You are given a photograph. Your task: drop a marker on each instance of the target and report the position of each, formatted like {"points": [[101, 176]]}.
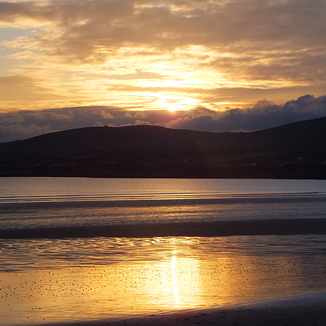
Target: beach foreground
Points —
{"points": [[301, 310]]}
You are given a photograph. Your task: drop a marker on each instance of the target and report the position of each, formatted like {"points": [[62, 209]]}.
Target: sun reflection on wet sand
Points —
{"points": [[174, 283], [96, 292], [170, 274]]}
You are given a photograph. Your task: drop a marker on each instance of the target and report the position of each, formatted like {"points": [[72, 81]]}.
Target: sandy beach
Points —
{"points": [[299, 310], [162, 252]]}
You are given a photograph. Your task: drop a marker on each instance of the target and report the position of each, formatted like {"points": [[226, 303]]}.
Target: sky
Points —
{"points": [[215, 65]]}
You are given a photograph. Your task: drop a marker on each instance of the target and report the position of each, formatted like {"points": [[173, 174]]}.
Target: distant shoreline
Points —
{"points": [[301, 174]]}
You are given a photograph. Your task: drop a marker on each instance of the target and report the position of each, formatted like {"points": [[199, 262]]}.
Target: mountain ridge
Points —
{"points": [[155, 151]]}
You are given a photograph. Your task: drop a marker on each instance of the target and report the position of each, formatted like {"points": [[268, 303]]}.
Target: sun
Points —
{"points": [[174, 102]]}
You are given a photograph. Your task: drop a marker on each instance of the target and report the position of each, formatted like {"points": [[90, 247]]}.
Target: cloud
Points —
{"points": [[150, 53], [139, 74], [92, 29], [20, 131], [299, 65], [265, 114], [19, 88]]}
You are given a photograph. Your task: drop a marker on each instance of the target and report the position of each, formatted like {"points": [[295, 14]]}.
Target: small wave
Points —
{"points": [[205, 228], [57, 202]]}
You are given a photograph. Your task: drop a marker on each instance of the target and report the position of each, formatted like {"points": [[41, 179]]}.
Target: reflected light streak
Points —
{"points": [[175, 279], [168, 274], [172, 284]]}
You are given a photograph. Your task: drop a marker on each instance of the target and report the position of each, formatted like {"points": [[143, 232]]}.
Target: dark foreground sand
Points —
{"points": [[303, 310]]}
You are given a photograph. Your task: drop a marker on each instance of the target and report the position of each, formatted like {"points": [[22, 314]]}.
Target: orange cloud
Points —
{"points": [[91, 52]]}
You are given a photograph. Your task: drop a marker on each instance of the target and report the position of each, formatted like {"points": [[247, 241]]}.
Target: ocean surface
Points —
{"points": [[82, 249]]}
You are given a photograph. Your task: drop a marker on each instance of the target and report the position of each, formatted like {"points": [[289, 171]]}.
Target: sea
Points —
{"points": [[83, 249]]}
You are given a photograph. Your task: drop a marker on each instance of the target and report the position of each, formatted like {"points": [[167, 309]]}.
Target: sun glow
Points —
{"points": [[174, 102]]}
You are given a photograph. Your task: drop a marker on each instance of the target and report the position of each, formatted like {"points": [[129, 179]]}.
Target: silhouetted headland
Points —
{"points": [[296, 150]]}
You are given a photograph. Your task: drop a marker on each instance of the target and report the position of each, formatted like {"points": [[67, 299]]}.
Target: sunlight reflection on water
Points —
{"points": [[164, 274]]}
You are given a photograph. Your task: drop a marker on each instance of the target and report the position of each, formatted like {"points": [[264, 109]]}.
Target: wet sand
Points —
{"points": [[301, 310]]}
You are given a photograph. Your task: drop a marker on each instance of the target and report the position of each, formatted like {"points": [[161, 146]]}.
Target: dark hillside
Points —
{"points": [[104, 138], [300, 135], [296, 150]]}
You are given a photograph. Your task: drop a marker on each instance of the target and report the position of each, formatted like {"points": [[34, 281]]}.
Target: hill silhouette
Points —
{"points": [[296, 150]]}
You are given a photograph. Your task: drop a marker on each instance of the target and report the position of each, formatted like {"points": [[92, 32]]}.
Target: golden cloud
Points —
{"points": [[89, 47]]}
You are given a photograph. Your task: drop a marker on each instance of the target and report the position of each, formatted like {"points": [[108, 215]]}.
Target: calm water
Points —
{"points": [[61, 278]]}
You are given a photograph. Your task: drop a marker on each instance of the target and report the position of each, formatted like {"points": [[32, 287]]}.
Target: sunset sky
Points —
{"points": [[215, 65]]}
